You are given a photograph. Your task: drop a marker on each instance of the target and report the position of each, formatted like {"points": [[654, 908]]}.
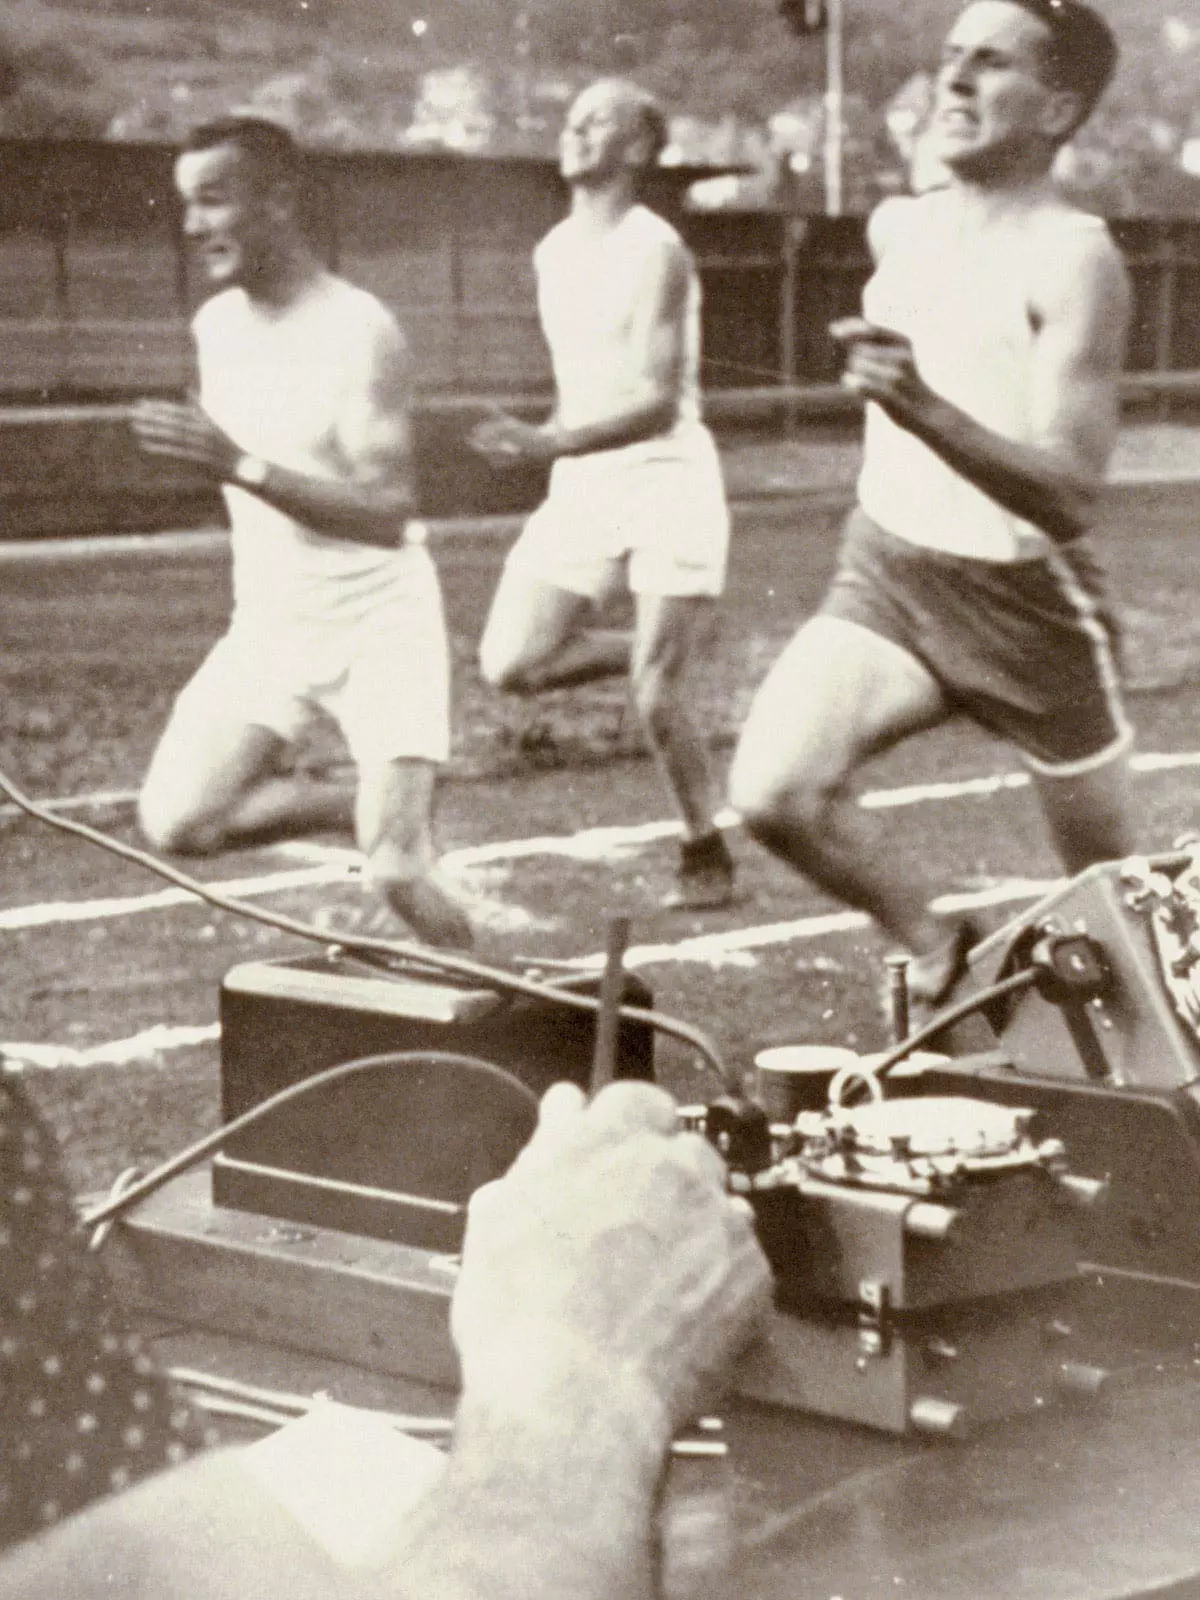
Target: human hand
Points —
{"points": [[880, 366], [184, 433], [608, 1260], [506, 440]]}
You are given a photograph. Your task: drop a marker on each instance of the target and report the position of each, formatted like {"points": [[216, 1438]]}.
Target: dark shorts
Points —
{"points": [[1026, 649]]}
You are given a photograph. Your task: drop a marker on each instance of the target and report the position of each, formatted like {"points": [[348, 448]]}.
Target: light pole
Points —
{"points": [[524, 54], [835, 106], [806, 17]]}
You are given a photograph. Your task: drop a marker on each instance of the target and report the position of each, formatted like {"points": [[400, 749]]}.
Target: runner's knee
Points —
{"points": [[654, 689], [773, 806], [504, 668], [400, 860], [175, 831]]}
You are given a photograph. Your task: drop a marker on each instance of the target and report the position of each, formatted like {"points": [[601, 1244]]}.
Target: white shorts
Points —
{"points": [[382, 674], [652, 514]]}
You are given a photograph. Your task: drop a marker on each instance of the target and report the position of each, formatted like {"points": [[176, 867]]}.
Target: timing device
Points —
{"points": [[944, 1254]]}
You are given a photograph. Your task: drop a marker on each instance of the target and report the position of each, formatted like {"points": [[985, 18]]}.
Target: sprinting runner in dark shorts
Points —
{"points": [[989, 353]]}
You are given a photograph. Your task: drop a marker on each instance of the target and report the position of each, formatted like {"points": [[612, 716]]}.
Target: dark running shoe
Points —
{"points": [[933, 978], [705, 880]]}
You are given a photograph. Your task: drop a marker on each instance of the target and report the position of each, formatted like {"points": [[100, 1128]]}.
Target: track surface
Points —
{"points": [[114, 986]]}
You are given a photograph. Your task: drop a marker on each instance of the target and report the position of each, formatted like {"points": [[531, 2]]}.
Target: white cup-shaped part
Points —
{"points": [[795, 1077]]}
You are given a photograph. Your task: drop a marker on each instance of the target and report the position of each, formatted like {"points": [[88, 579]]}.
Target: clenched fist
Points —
{"points": [[610, 1258]]}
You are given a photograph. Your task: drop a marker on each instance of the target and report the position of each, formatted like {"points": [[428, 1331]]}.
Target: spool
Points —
{"points": [[792, 1078]]}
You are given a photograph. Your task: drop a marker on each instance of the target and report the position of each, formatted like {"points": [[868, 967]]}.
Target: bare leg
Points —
{"points": [[1089, 814], [837, 695], [394, 822], [533, 641], [664, 636], [212, 783]]}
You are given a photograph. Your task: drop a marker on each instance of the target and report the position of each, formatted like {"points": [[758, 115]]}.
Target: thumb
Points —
{"points": [[559, 1111]]}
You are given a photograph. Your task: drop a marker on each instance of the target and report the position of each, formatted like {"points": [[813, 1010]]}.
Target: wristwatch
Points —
{"points": [[250, 472]]}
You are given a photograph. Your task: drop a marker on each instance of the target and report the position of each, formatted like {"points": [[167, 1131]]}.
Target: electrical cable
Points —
{"points": [[295, 1405], [952, 1014], [276, 1408], [390, 951], [129, 1194]]}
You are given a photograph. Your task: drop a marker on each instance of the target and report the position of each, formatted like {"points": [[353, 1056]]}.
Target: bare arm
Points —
{"points": [[1054, 478], [607, 1282], [371, 498], [656, 353]]}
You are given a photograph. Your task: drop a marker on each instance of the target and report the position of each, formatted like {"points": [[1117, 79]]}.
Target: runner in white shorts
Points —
{"points": [[636, 497], [990, 351], [303, 418]]}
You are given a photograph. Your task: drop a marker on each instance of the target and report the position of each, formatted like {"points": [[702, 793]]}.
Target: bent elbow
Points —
{"points": [[660, 415], [1077, 508]]}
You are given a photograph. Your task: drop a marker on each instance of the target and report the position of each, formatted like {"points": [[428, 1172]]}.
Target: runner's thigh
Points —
{"points": [[529, 621], [215, 745], [838, 694]]}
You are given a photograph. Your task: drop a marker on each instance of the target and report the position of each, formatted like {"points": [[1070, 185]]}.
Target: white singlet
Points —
{"points": [[658, 504], [588, 292], [317, 621], [963, 300]]}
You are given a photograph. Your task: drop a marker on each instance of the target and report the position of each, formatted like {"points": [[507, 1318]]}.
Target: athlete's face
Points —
{"points": [[228, 218], [602, 135], [994, 106]]}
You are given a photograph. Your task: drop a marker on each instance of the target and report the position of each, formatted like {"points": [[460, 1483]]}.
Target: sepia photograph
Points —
{"points": [[600, 868]]}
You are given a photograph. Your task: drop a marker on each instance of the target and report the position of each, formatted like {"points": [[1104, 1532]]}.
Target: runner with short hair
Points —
{"points": [[636, 497], [989, 354], [303, 418]]}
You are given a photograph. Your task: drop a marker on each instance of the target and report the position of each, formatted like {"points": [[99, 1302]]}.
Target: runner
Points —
{"points": [[990, 350], [636, 496], [303, 418]]}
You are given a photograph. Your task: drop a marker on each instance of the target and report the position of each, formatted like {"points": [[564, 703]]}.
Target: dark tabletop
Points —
{"points": [[1076, 1503]]}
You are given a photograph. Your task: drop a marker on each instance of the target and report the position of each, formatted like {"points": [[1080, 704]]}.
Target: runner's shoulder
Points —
{"points": [[222, 311], [899, 215], [360, 308], [367, 333], [1075, 250]]}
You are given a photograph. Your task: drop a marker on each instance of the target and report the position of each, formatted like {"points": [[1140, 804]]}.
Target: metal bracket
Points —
{"points": [[874, 1320]]}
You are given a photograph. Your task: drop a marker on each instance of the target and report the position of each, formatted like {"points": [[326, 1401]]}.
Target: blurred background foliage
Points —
{"points": [[493, 76]]}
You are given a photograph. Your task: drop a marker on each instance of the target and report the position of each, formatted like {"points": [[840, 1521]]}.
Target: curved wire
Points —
{"points": [[952, 1014], [414, 955], [129, 1194]]}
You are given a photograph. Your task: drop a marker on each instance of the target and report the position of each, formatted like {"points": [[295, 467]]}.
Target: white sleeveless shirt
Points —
{"points": [[963, 300], [589, 290], [278, 384]]}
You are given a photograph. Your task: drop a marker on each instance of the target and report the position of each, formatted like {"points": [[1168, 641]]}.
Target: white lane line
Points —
{"points": [[99, 801], [63, 911], [144, 1046], [334, 863], [730, 948], [997, 783], [713, 950], [962, 789], [872, 799]]}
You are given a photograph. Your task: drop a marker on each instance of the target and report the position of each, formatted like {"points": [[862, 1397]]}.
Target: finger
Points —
{"points": [[559, 1113], [625, 1108], [702, 1158], [847, 329], [857, 330], [167, 437], [872, 372], [560, 1109]]}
